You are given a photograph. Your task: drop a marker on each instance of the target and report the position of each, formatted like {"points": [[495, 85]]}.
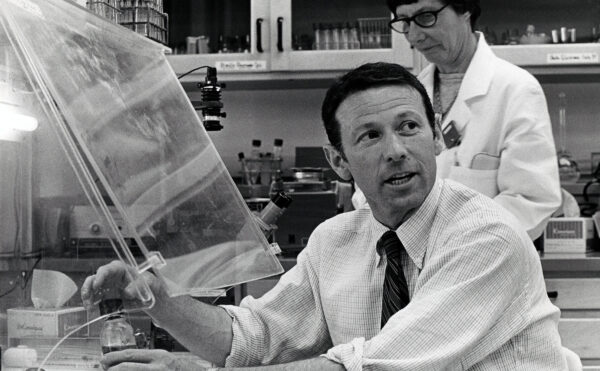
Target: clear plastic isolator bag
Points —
{"points": [[137, 147]]}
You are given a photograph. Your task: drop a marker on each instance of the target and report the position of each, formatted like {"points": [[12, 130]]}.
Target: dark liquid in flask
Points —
{"points": [[115, 348]]}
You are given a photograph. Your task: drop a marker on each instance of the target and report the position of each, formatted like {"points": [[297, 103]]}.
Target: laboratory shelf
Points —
{"points": [[554, 58], [574, 265]]}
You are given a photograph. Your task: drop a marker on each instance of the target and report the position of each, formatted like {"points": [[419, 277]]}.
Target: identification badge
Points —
{"points": [[451, 135]]}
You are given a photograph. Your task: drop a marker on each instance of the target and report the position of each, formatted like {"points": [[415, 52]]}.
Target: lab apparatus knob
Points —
{"points": [[95, 228]]}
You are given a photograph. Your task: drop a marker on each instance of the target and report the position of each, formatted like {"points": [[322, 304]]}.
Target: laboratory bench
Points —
{"points": [[573, 284]]}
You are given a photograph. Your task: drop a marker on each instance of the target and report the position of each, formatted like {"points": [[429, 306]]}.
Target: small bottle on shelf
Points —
{"points": [[344, 36], [318, 34], [277, 147], [254, 163], [255, 152], [335, 36], [327, 37], [354, 41]]}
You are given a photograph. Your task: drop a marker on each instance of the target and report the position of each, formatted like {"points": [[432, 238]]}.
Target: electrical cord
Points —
{"points": [[589, 208], [191, 71], [26, 277]]}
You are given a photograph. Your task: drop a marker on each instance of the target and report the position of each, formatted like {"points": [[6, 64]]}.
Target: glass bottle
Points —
{"points": [[255, 151], [318, 33], [327, 37], [335, 36], [116, 333], [567, 168], [353, 39], [344, 36], [277, 147]]}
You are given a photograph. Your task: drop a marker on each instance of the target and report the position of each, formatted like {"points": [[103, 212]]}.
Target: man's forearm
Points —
{"points": [[203, 329], [318, 363]]}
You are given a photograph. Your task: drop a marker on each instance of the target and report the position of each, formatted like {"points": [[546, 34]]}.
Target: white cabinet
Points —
{"points": [[275, 39], [281, 37], [293, 20], [579, 327], [237, 34]]}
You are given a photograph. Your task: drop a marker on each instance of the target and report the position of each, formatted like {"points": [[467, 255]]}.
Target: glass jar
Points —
{"points": [[117, 333]]}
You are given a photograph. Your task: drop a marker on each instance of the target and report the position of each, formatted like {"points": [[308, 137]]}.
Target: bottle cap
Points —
{"points": [[278, 142], [281, 200], [110, 305]]}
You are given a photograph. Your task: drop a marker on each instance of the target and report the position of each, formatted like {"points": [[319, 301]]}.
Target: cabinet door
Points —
{"points": [[236, 31], [313, 35], [579, 326]]}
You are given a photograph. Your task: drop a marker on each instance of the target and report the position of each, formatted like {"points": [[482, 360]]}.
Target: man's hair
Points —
{"points": [[459, 6], [367, 76]]}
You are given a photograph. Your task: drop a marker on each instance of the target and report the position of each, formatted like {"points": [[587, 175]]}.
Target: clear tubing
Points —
{"points": [[39, 368], [562, 121]]}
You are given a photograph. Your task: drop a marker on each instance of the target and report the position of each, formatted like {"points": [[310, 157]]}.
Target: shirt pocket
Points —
{"points": [[483, 181]]}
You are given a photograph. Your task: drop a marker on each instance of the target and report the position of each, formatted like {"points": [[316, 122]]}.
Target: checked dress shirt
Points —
{"points": [[477, 295]]}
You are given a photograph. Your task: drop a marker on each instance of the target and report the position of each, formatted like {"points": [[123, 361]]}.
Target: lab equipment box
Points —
{"points": [[569, 235], [31, 322]]}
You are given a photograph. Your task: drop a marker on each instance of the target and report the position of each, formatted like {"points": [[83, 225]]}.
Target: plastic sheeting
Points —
{"points": [[137, 147]]}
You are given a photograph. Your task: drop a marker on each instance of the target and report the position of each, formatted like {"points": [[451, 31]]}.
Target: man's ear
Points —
{"points": [[337, 162], [438, 137]]}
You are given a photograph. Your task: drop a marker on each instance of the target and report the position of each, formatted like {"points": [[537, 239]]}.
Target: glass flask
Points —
{"points": [[567, 167], [117, 333]]}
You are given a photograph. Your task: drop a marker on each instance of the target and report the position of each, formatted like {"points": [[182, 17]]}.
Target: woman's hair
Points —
{"points": [[459, 6]]}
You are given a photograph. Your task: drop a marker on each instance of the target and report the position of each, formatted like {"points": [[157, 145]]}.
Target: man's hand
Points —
{"points": [[149, 360], [118, 275]]}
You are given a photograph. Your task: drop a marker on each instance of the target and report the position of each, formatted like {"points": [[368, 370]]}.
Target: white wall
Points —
{"points": [[294, 116]]}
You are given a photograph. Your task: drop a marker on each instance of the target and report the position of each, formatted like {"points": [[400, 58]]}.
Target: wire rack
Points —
{"points": [[108, 9], [146, 20], [142, 16]]}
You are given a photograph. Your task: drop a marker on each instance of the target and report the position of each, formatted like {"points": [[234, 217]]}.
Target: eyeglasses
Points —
{"points": [[424, 19]]}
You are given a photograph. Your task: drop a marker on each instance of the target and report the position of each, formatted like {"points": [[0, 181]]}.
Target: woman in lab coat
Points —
{"points": [[493, 114]]}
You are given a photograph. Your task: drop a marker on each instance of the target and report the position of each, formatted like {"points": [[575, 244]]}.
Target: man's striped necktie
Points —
{"points": [[395, 288]]}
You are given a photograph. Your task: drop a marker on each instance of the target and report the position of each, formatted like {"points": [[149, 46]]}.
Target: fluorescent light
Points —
{"points": [[12, 117]]}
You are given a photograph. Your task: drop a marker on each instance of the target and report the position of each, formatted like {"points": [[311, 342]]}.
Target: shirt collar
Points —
{"points": [[414, 232]]}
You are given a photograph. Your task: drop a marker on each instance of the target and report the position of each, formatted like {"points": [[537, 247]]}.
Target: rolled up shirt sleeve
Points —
{"points": [[284, 325]]}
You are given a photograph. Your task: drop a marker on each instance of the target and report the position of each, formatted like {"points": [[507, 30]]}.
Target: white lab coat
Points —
{"points": [[507, 150]]}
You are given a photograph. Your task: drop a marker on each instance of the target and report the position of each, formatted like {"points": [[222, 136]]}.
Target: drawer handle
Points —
{"points": [[280, 34], [259, 47], [552, 294]]}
